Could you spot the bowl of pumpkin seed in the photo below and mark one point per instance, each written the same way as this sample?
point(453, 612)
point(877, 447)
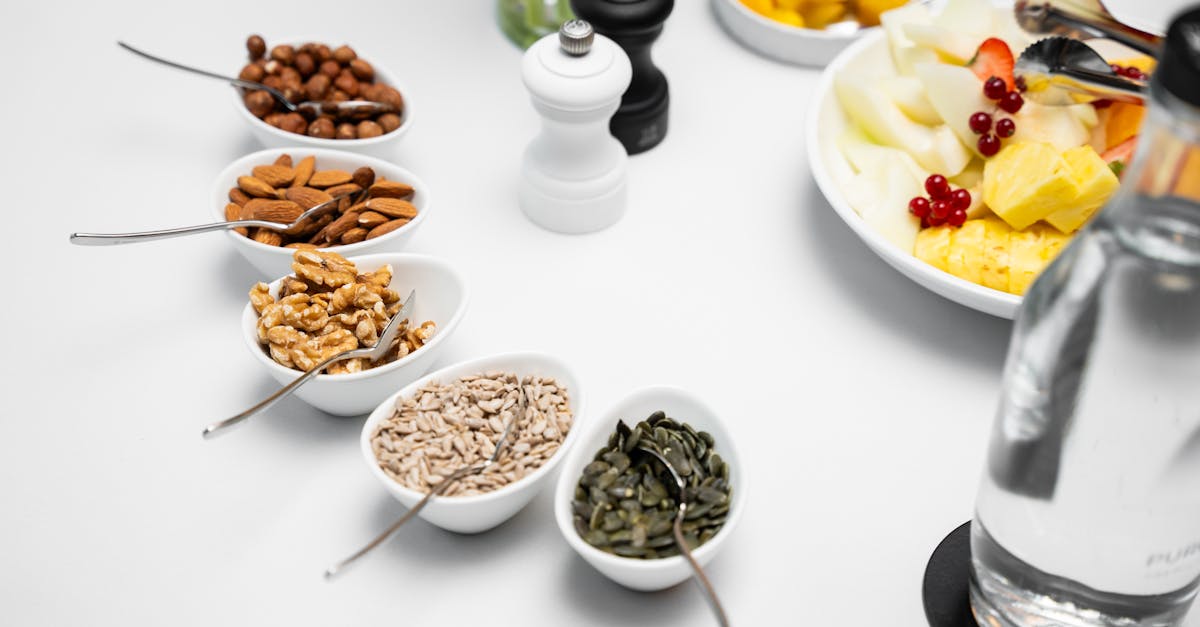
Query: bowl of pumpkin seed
point(615, 503)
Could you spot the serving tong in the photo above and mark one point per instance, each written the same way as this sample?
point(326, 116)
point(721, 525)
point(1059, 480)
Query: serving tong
point(1061, 70)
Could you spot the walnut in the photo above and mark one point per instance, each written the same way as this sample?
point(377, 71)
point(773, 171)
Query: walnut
point(260, 297)
point(322, 268)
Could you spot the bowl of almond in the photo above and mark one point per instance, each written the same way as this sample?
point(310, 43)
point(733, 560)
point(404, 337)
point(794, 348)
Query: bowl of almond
point(380, 205)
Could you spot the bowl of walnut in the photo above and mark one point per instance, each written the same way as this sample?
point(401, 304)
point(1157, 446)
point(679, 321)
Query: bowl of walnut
point(307, 71)
point(382, 206)
point(330, 304)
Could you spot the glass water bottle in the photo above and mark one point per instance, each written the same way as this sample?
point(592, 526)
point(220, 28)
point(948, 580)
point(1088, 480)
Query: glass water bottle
point(1088, 512)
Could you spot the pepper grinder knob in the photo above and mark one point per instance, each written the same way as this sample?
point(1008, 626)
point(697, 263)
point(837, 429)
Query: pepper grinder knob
point(575, 37)
point(641, 122)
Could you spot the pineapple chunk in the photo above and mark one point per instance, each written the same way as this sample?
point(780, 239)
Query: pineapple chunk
point(994, 272)
point(1030, 251)
point(933, 246)
point(965, 259)
point(1096, 183)
point(1027, 181)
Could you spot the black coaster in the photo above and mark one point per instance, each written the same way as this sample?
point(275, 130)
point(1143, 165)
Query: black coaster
point(945, 590)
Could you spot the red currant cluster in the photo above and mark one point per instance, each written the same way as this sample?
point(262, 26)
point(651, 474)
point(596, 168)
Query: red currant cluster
point(1129, 72)
point(944, 205)
point(1009, 101)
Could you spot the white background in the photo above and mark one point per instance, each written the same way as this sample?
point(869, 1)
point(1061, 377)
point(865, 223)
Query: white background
point(861, 402)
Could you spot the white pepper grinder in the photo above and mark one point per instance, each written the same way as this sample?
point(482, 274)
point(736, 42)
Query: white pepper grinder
point(573, 174)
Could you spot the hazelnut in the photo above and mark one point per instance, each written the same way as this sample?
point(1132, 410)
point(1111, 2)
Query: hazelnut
point(347, 83)
point(293, 93)
point(346, 130)
point(283, 53)
point(362, 70)
point(256, 47)
point(305, 64)
point(389, 122)
point(252, 72)
point(330, 68)
point(364, 176)
point(321, 127)
point(272, 67)
point(322, 53)
point(273, 81)
point(317, 86)
point(389, 95)
point(344, 54)
point(274, 119)
point(259, 103)
point(290, 75)
point(293, 123)
point(367, 128)
point(369, 91)
point(337, 95)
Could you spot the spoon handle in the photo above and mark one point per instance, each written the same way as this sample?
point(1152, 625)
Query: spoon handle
point(709, 593)
point(187, 68)
point(110, 239)
point(337, 568)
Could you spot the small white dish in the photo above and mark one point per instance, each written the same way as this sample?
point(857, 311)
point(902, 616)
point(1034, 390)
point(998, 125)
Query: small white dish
point(381, 146)
point(649, 574)
point(825, 124)
point(477, 513)
point(275, 261)
point(441, 297)
point(784, 42)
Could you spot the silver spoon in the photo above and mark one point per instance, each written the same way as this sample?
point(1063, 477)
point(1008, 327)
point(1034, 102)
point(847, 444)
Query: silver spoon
point(109, 239)
point(709, 593)
point(310, 108)
point(374, 353)
point(1083, 19)
point(441, 487)
point(1062, 71)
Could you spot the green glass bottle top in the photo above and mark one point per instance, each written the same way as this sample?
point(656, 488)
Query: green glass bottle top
point(526, 21)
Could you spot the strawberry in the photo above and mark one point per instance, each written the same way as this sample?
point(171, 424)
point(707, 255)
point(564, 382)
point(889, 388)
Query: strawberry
point(994, 58)
point(1119, 156)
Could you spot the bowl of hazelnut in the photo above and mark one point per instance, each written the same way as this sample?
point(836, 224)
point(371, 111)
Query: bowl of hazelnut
point(317, 72)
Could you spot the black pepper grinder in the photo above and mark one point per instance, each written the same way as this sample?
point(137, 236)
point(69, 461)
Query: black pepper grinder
point(641, 122)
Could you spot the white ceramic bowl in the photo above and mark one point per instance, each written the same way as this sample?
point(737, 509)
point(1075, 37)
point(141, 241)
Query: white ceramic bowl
point(787, 43)
point(381, 146)
point(473, 514)
point(648, 574)
point(441, 297)
point(826, 123)
point(275, 261)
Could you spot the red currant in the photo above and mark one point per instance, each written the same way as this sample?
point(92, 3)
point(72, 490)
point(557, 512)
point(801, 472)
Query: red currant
point(957, 217)
point(1005, 128)
point(1011, 102)
point(925, 222)
point(1103, 103)
point(995, 88)
point(919, 207)
point(980, 122)
point(1136, 74)
point(988, 145)
point(937, 186)
point(1020, 81)
point(938, 210)
point(960, 199)
point(1118, 70)
point(935, 221)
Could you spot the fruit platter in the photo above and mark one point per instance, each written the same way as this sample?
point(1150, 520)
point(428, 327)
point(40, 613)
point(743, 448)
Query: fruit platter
point(921, 139)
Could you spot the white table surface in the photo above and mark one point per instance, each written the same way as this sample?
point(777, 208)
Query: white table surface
point(861, 402)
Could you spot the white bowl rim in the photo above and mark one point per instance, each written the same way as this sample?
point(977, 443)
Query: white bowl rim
point(999, 301)
point(801, 31)
point(566, 524)
point(221, 195)
point(489, 362)
point(251, 336)
point(380, 72)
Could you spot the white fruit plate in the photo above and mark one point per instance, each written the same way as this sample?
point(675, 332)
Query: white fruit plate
point(826, 123)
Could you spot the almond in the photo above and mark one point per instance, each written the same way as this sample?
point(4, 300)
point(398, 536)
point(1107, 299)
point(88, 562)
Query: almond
point(274, 175)
point(238, 196)
point(345, 188)
point(392, 207)
point(329, 178)
point(282, 211)
point(255, 187)
point(301, 246)
point(354, 235)
point(307, 197)
point(390, 189)
point(341, 225)
point(268, 237)
point(233, 213)
point(386, 227)
point(285, 160)
point(304, 170)
point(371, 219)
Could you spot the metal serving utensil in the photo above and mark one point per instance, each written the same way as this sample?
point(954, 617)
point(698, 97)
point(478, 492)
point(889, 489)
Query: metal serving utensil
point(441, 487)
point(709, 593)
point(308, 108)
point(1083, 19)
point(109, 239)
point(1062, 71)
point(374, 353)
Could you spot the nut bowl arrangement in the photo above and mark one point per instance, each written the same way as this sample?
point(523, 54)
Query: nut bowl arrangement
point(441, 299)
point(366, 67)
point(474, 506)
point(273, 260)
point(641, 573)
